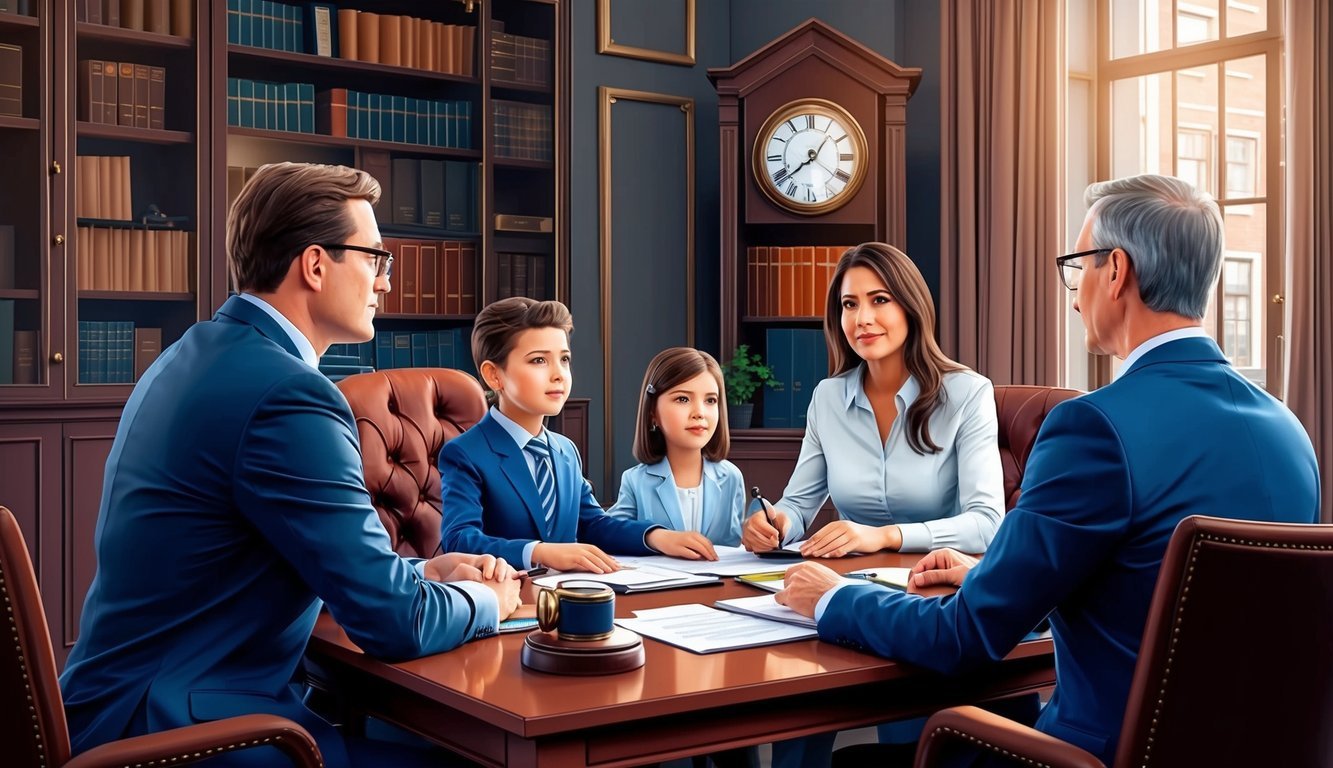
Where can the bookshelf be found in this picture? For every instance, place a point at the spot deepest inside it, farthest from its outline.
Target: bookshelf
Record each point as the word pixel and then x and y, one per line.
pixel 61 273
pixel 377 110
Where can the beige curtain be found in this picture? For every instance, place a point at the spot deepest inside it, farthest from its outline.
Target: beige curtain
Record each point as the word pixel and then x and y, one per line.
pixel 1309 159
pixel 1002 158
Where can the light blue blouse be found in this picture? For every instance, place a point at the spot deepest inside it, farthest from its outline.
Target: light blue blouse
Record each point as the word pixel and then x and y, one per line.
pixel 954 498
pixel 649 492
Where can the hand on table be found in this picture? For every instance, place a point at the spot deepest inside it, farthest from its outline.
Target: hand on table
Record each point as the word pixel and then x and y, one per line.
pixel 456 566
pixel 804 584
pixel 759 535
pixel 574 557
pixel 690 545
pixel 843 537
pixel 942 566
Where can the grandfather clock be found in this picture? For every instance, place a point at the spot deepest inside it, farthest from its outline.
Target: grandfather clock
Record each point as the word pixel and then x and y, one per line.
pixel 812 132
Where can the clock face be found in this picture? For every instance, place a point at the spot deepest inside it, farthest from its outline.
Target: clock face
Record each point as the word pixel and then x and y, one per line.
pixel 810 156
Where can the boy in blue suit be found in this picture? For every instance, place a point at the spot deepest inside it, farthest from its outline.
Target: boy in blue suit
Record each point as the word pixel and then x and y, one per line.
pixel 233 503
pixel 1178 433
pixel 513 489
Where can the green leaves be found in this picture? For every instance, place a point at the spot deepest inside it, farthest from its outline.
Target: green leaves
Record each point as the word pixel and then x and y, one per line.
pixel 745 374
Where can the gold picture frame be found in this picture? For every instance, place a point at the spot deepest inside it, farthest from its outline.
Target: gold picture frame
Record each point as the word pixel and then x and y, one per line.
pixel 607 45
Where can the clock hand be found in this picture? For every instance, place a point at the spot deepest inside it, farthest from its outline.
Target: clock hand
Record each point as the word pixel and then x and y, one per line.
pixel 813 156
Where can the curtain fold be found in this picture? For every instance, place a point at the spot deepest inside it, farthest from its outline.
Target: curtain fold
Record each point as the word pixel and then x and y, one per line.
pixel 1002 186
pixel 1309 229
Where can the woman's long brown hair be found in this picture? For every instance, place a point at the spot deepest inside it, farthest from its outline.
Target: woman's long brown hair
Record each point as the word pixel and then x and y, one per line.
pixel 922 354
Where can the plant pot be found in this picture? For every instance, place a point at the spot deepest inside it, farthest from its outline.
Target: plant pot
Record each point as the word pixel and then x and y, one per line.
pixel 739 416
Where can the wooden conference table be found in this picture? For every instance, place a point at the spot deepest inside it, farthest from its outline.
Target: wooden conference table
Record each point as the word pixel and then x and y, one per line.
pixel 479 701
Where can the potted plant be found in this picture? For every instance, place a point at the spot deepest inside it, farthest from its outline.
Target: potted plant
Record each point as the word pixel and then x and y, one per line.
pixel 744 373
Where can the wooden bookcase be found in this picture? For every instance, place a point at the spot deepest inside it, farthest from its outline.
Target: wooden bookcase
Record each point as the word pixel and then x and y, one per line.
pixel 56 433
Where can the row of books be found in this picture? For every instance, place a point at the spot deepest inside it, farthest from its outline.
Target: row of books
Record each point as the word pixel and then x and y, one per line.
pixel 798 358
pixel 789 281
pixel 271 106
pixel 116 352
pixel 520 59
pixel 265 24
pixel 447 348
pixel 521 274
pixel 522 131
pixel 163 17
pixel 126 259
pixel 102 187
pixel 404 41
pixel 18 349
pixel 431 277
pixel 122 93
pixel 381 117
pixel 433 193
pixel 11 79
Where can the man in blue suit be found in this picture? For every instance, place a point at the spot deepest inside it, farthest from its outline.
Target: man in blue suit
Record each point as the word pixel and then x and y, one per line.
pixel 233 500
pixel 1178 433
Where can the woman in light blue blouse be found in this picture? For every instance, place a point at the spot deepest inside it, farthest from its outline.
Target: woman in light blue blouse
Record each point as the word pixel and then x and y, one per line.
pixel 901 437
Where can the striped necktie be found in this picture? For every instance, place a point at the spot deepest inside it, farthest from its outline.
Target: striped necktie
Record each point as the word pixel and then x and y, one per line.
pixel 544 478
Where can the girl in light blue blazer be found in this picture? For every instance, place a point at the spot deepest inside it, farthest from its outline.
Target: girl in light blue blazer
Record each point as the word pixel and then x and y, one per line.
pixel 684 481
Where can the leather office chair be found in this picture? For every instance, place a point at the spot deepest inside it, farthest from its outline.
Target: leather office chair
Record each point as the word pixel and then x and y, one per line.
pixel 404 417
pixel 1234 668
pixel 33 729
pixel 1021 410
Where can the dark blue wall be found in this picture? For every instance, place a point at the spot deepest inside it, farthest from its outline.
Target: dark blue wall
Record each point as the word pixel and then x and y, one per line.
pixel 726 31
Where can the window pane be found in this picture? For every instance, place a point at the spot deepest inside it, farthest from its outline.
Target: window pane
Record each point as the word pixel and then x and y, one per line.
pixel 1140 26
pixel 1244 17
pixel 1141 131
pixel 1196 22
pixel 1196 116
pixel 1246 110
pixel 1242 287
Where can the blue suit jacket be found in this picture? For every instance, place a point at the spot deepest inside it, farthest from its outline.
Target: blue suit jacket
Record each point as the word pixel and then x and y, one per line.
pixel 233 500
pixel 648 492
pixel 490 502
pixel 1111 473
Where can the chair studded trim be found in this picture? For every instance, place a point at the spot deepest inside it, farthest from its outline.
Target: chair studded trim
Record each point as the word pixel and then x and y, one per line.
pixel 973 740
pixel 12 622
pixel 1201 539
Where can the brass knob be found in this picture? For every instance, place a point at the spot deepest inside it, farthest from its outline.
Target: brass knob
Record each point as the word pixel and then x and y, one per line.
pixel 57 358
pixel 60 239
pixel 1279 298
pixel 55 166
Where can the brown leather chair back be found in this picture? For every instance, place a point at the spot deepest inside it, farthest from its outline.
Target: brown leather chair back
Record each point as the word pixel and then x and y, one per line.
pixel 404 417
pixel 1021 410
pixel 32 714
pixel 1236 664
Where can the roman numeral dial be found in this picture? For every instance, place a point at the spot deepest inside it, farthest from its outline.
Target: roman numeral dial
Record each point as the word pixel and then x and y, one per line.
pixel 810 156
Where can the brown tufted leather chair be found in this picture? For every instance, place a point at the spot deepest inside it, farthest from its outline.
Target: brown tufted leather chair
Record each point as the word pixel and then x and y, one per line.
pixel 1234 668
pixel 404 417
pixel 33 730
pixel 1021 410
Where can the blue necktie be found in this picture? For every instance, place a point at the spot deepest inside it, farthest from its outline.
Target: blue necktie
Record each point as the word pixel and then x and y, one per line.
pixel 544 478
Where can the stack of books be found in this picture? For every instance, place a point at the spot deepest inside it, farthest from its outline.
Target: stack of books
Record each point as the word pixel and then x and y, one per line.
pixel 122 93
pixel 162 17
pixel 522 131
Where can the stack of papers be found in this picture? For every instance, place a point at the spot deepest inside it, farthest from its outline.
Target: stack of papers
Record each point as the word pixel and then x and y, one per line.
pixel 701 629
pixel 731 561
pixel 631 579
pixel 765 607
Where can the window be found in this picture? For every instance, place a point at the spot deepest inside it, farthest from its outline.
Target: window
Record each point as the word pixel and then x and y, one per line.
pixel 1241 169
pixel 1189 88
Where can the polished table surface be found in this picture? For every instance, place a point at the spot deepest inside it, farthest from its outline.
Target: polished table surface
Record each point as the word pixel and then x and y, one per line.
pixel 480 701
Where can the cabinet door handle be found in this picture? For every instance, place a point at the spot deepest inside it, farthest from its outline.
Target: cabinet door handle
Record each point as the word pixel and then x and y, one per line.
pixel 60 239
pixel 57 358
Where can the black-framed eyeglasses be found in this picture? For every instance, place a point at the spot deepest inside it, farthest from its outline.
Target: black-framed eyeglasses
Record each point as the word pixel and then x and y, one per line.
pixel 383 258
pixel 1070 266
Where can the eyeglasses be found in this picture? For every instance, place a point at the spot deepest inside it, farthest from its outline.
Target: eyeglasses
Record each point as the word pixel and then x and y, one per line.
pixel 1071 269
pixel 383 258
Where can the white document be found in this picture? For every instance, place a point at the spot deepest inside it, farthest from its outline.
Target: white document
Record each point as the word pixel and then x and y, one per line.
pixel 634 579
pixel 889 577
pixel 765 607
pixel 701 629
pixel 731 561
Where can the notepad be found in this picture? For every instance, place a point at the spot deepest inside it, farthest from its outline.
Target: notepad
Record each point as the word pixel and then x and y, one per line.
pixel 731 561
pixel 636 579
pixel 701 629
pixel 765 607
